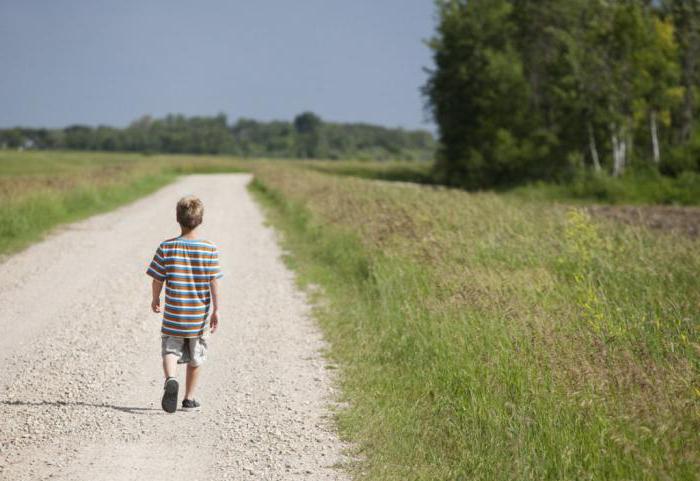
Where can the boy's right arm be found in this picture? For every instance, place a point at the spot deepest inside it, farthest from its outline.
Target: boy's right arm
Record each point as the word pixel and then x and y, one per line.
pixel 158 272
pixel 156 287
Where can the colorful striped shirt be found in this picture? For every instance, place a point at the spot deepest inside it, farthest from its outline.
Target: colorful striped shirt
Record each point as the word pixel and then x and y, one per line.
pixel 187 267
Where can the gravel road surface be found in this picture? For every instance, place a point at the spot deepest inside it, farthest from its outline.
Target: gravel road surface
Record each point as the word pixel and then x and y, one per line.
pixel 81 378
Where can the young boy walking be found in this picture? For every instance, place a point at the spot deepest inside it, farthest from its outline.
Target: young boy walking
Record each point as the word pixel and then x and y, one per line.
pixel 189 268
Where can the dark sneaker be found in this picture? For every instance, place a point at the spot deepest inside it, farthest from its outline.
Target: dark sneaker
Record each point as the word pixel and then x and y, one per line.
pixel 169 402
pixel 190 405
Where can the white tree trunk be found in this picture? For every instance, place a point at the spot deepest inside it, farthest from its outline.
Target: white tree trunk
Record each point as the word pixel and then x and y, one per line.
pixel 619 146
pixel 615 149
pixel 654 137
pixel 629 144
pixel 623 152
pixel 593 148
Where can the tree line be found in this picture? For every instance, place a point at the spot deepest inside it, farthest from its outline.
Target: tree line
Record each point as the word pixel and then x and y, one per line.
pixel 540 89
pixel 307 136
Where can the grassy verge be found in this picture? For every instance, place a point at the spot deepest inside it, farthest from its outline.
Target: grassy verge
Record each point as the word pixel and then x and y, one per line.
pixel 40 190
pixel 483 337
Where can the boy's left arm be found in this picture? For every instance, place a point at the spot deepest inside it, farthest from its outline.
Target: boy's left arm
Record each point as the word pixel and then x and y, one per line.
pixel 214 319
pixel 156 287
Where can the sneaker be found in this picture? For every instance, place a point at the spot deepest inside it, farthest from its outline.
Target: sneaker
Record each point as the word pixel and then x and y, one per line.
pixel 169 402
pixel 190 405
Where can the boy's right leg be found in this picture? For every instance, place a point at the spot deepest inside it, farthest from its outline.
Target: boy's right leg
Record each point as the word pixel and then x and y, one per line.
pixel 171 387
pixel 170 365
pixel 171 352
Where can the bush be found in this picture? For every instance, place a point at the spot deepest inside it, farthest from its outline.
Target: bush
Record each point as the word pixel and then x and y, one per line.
pixel 683 158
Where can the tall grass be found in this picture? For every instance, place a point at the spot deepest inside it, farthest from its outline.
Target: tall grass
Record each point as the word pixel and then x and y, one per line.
pixel 483 337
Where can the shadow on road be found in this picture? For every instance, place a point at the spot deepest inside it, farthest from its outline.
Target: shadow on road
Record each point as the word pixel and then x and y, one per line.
pixel 126 409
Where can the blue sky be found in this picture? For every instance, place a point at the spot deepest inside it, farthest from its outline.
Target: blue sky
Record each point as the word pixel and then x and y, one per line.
pixel 109 62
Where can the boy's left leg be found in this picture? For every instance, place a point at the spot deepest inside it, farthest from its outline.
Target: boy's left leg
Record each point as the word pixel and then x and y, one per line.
pixel 191 382
pixel 198 354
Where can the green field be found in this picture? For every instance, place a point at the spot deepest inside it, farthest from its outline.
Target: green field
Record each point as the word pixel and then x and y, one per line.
pixel 478 335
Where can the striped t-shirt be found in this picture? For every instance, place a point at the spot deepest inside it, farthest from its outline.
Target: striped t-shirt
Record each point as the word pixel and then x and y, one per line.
pixel 186 266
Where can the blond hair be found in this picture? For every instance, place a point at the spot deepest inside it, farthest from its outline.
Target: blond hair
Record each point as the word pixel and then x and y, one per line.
pixel 190 211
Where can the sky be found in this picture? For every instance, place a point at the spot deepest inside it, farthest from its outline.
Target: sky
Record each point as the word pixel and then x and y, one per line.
pixel 109 62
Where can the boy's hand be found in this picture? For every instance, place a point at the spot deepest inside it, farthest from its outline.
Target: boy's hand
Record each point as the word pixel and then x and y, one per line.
pixel 155 305
pixel 214 321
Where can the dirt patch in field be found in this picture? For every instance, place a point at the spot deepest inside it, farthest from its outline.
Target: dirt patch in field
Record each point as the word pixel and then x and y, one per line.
pixel 683 220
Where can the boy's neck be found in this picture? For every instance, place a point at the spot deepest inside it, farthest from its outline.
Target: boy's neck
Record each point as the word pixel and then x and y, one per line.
pixel 188 233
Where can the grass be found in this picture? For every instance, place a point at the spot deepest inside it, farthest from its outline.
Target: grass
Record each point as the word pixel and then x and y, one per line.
pixel 40 190
pixel 485 337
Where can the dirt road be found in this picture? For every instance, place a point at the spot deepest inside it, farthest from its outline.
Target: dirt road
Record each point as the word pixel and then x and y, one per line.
pixel 81 381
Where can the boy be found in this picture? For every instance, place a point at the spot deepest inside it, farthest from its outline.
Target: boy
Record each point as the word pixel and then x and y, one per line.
pixel 189 267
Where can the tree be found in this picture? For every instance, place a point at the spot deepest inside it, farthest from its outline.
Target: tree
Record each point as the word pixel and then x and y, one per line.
pixel 685 15
pixel 79 137
pixel 307 123
pixel 658 77
pixel 530 89
pixel 308 127
pixel 308 137
pixel 477 67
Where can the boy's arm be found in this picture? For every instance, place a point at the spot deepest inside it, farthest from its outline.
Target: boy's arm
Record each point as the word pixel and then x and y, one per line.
pixel 158 272
pixel 156 287
pixel 214 289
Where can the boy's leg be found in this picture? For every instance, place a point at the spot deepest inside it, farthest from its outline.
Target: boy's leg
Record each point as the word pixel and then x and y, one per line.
pixel 170 365
pixel 191 381
pixel 198 354
pixel 171 387
pixel 171 350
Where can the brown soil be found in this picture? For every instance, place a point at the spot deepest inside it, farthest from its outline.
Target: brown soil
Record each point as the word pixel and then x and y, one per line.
pixel 683 220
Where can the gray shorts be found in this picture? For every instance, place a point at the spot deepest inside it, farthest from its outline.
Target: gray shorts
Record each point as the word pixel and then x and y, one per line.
pixel 189 350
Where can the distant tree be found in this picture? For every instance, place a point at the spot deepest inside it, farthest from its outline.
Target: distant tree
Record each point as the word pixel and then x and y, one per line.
pixel 107 138
pixel 12 138
pixel 307 123
pixel 79 137
pixel 307 137
pixel 309 131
